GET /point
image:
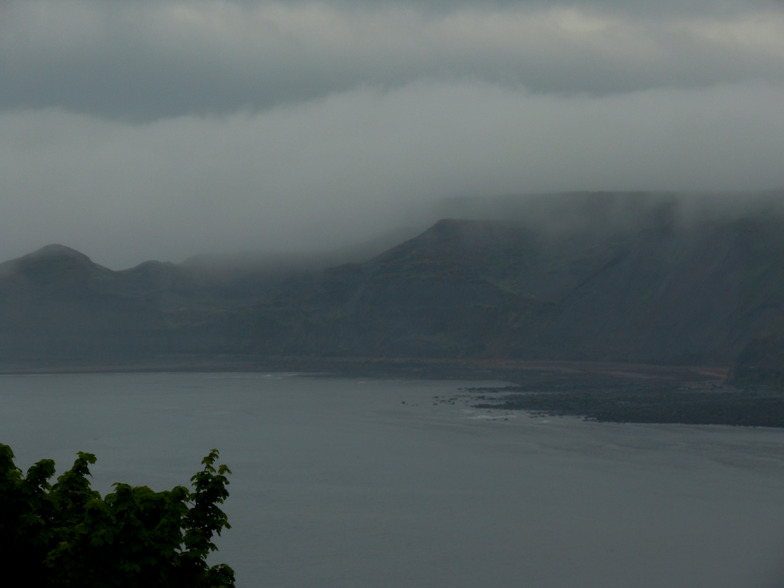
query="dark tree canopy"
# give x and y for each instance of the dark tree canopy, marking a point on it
(67, 534)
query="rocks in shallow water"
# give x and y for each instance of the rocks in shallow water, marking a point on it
(611, 400)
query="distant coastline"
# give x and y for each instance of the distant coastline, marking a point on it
(598, 391)
(677, 283)
(512, 370)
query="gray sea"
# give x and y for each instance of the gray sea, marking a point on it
(389, 483)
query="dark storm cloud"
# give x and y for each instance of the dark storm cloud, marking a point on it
(147, 60)
(159, 129)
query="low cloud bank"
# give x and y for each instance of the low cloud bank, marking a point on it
(322, 173)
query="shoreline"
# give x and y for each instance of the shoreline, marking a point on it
(422, 368)
(651, 401)
(597, 391)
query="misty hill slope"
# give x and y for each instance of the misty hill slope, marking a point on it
(455, 290)
(670, 296)
(665, 294)
(630, 279)
(57, 302)
(429, 296)
(57, 305)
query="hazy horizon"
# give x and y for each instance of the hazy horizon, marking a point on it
(564, 213)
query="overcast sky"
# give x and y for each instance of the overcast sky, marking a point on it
(158, 129)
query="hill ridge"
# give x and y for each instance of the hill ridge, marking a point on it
(668, 292)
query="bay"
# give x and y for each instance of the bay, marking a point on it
(349, 482)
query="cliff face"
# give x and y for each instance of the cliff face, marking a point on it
(668, 297)
(477, 288)
(761, 361)
(660, 289)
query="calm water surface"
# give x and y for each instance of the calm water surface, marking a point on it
(360, 483)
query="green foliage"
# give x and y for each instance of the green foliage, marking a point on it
(65, 534)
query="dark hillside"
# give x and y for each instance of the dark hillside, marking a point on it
(440, 294)
(664, 294)
(615, 277)
(761, 362)
(57, 307)
(669, 296)
(56, 303)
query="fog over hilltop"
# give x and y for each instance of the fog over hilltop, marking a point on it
(160, 130)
